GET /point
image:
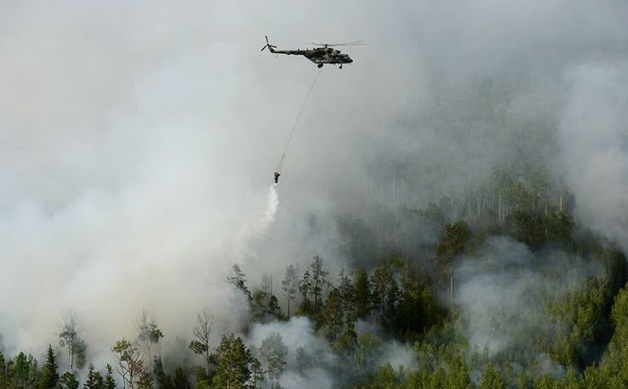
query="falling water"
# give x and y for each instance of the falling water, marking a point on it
(257, 227)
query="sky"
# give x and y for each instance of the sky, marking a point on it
(138, 141)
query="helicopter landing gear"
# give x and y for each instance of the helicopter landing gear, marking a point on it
(340, 67)
(320, 65)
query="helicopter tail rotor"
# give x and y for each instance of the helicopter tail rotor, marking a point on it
(270, 47)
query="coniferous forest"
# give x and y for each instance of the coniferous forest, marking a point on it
(558, 320)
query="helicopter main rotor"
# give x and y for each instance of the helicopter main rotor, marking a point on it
(352, 43)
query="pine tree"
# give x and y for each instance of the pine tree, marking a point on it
(348, 340)
(69, 381)
(365, 351)
(362, 294)
(492, 378)
(273, 307)
(381, 282)
(23, 371)
(289, 285)
(233, 364)
(305, 287)
(347, 291)
(319, 280)
(452, 244)
(332, 315)
(302, 359)
(238, 279)
(110, 382)
(273, 353)
(94, 379)
(259, 305)
(49, 374)
(4, 372)
(180, 379)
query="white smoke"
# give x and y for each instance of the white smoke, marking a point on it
(127, 179)
(501, 292)
(321, 367)
(298, 333)
(490, 292)
(594, 147)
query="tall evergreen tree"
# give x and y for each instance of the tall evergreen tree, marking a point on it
(94, 379)
(49, 374)
(180, 379)
(305, 287)
(273, 353)
(319, 280)
(23, 372)
(259, 305)
(346, 290)
(4, 372)
(302, 359)
(332, 316)
(110, 382)
(381, 283)
(238, 279)
(233, 364)
(365, 351)
(273, 307)
(362, 290)
(69, 381)
(492, 378)
(290, 285)
(452, 244)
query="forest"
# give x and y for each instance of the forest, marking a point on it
(512, 293)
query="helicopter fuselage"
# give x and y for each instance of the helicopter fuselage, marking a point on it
(318, 55)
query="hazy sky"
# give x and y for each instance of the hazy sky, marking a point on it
(138, 139)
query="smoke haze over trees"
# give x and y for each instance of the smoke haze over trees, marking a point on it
(454, 202)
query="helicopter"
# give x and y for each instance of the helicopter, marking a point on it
(324, 54)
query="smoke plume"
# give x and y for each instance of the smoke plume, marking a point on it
(138, 140)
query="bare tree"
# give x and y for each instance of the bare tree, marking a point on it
(148, 339)
(202, 332)
(70, 330)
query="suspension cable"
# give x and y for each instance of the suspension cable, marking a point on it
(296, 122)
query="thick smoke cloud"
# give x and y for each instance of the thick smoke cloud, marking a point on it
(310, 362)
(129, 180)
(138, 144)
(138, 140)
(316, 360)
(593, 135)
(503, 293)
